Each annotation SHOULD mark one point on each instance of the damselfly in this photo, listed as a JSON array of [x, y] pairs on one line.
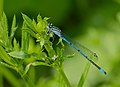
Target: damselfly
[[88, 54]]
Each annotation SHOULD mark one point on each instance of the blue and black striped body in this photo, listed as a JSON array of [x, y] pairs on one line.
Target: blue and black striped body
[[80, 48], [71, 44]]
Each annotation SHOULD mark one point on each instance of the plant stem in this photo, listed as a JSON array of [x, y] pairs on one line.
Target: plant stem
[[84, 75], [25, 46], [28, 81], [1, 7], [64, 77]]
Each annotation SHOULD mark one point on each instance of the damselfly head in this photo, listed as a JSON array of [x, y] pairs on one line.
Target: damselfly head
[[53, 28], [50, 25]]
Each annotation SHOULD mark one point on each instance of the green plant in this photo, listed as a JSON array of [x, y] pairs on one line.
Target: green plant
[[1, 7], [32, 53]]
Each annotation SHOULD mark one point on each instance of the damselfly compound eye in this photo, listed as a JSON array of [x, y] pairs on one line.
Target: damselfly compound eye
[[50, 25]]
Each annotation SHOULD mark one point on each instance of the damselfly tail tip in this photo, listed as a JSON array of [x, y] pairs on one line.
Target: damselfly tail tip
[[103, 71]]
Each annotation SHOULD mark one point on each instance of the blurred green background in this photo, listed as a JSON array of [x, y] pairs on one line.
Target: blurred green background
[[94, 23]]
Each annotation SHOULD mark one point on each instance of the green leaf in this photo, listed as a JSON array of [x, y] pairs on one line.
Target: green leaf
[[30, 32], [41, 25], [4, 30], [33, 64], [46, 18], [60, 42], [7, 65], [42, 56], [2, 44], [42, 42], [4, 22], [13, 28], [4, 56], [39, 63], [49, 49], [34, 24], [28, 21], [25, 39], [26, 69], [16, 45], [19, 54], [39, 18], [60, 51], [84, 75], [70, 55]]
